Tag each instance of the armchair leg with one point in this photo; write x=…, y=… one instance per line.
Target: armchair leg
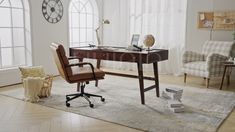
x=185, y=76
x=207, y=82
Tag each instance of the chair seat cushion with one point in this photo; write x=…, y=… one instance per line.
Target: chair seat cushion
x=198, y=65
x=85, y=74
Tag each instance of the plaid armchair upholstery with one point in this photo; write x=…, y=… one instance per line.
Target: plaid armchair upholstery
x=209, y=63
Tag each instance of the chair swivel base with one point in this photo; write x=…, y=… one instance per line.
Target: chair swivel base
x=84, y=95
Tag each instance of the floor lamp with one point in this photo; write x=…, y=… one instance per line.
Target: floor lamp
x=97, y=30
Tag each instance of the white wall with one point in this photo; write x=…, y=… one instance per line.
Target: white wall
x=43, y=34
x=196, y=37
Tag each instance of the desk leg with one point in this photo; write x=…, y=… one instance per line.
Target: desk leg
x=155, y=69
x=98, y=67
x=141, y=81
x=221, y=85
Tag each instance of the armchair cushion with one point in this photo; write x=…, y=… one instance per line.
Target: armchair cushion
x=190, y=56
x=199, y=65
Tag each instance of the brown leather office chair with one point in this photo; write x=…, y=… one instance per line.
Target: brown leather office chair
x=81, y=72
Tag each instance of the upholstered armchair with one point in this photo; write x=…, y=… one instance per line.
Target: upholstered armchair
x=208, y=63
x=37, y=72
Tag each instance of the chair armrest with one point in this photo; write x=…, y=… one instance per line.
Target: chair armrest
x=190, y=56
x=215, y=59
x=84, y=63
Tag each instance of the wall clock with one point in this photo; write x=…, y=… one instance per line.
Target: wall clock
x=52, y=10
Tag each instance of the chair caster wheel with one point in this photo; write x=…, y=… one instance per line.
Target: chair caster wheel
x=68, y=104
x=102, y=99
x=91, y=105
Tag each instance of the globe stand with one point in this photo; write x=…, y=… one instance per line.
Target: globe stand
x=148, y=49
x=149, y=41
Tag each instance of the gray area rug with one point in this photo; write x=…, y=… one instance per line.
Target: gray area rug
x=205, y=109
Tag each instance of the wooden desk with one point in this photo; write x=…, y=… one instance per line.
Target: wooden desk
x=123, y=55
x=226, y=65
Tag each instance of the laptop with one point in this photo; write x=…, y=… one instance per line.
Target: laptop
x=134, y=43
x=135, y=39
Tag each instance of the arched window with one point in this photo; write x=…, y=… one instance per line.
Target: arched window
x=15, y=36
x=83, y=19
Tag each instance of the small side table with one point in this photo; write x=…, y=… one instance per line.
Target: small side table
x=226, y=65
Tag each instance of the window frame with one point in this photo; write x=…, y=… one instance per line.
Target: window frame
x=27, y=59
x=95, y=20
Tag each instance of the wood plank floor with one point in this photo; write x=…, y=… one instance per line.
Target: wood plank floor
x=20, y=116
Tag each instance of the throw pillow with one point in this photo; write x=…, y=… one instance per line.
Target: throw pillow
x=33, y=71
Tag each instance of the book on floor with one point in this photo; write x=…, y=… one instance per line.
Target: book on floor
x=174, y=90
x=174, y=103
x=177, y=109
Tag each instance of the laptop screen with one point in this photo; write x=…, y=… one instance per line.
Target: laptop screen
x=135, y=39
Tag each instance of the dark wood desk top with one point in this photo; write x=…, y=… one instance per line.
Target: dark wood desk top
x=120, y=54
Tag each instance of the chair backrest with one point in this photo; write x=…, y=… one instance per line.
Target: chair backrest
x=61, y=60
x=220, y=47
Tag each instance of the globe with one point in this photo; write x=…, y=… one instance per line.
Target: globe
x=149, y=41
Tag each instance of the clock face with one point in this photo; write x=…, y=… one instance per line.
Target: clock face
x=52, y=10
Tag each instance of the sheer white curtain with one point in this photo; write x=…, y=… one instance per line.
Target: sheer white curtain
x=164, y=19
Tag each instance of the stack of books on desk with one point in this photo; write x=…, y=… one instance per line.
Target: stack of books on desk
x=174, y=95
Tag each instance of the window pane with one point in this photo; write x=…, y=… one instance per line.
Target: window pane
x=83, y=20
x=5, y=16
x=96, y=21
x=5, y=37
x=89, y=8
x=5, y=3
x=18, y=36
x=73, y=8
x=75, y=35
x=90, y=21
x=6, y=57
x=90, y=35
x=16, y=3
x=75, y=19
x=83, y=35
x=19, y=56
x=83, y=44
x=83, y=1
x=17, y=15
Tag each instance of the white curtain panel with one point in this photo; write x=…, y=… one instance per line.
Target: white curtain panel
x=164, y=19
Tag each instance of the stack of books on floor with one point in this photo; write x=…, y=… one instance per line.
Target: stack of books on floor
x=174, y=95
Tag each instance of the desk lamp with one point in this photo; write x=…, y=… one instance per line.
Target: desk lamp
x=97, y=30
